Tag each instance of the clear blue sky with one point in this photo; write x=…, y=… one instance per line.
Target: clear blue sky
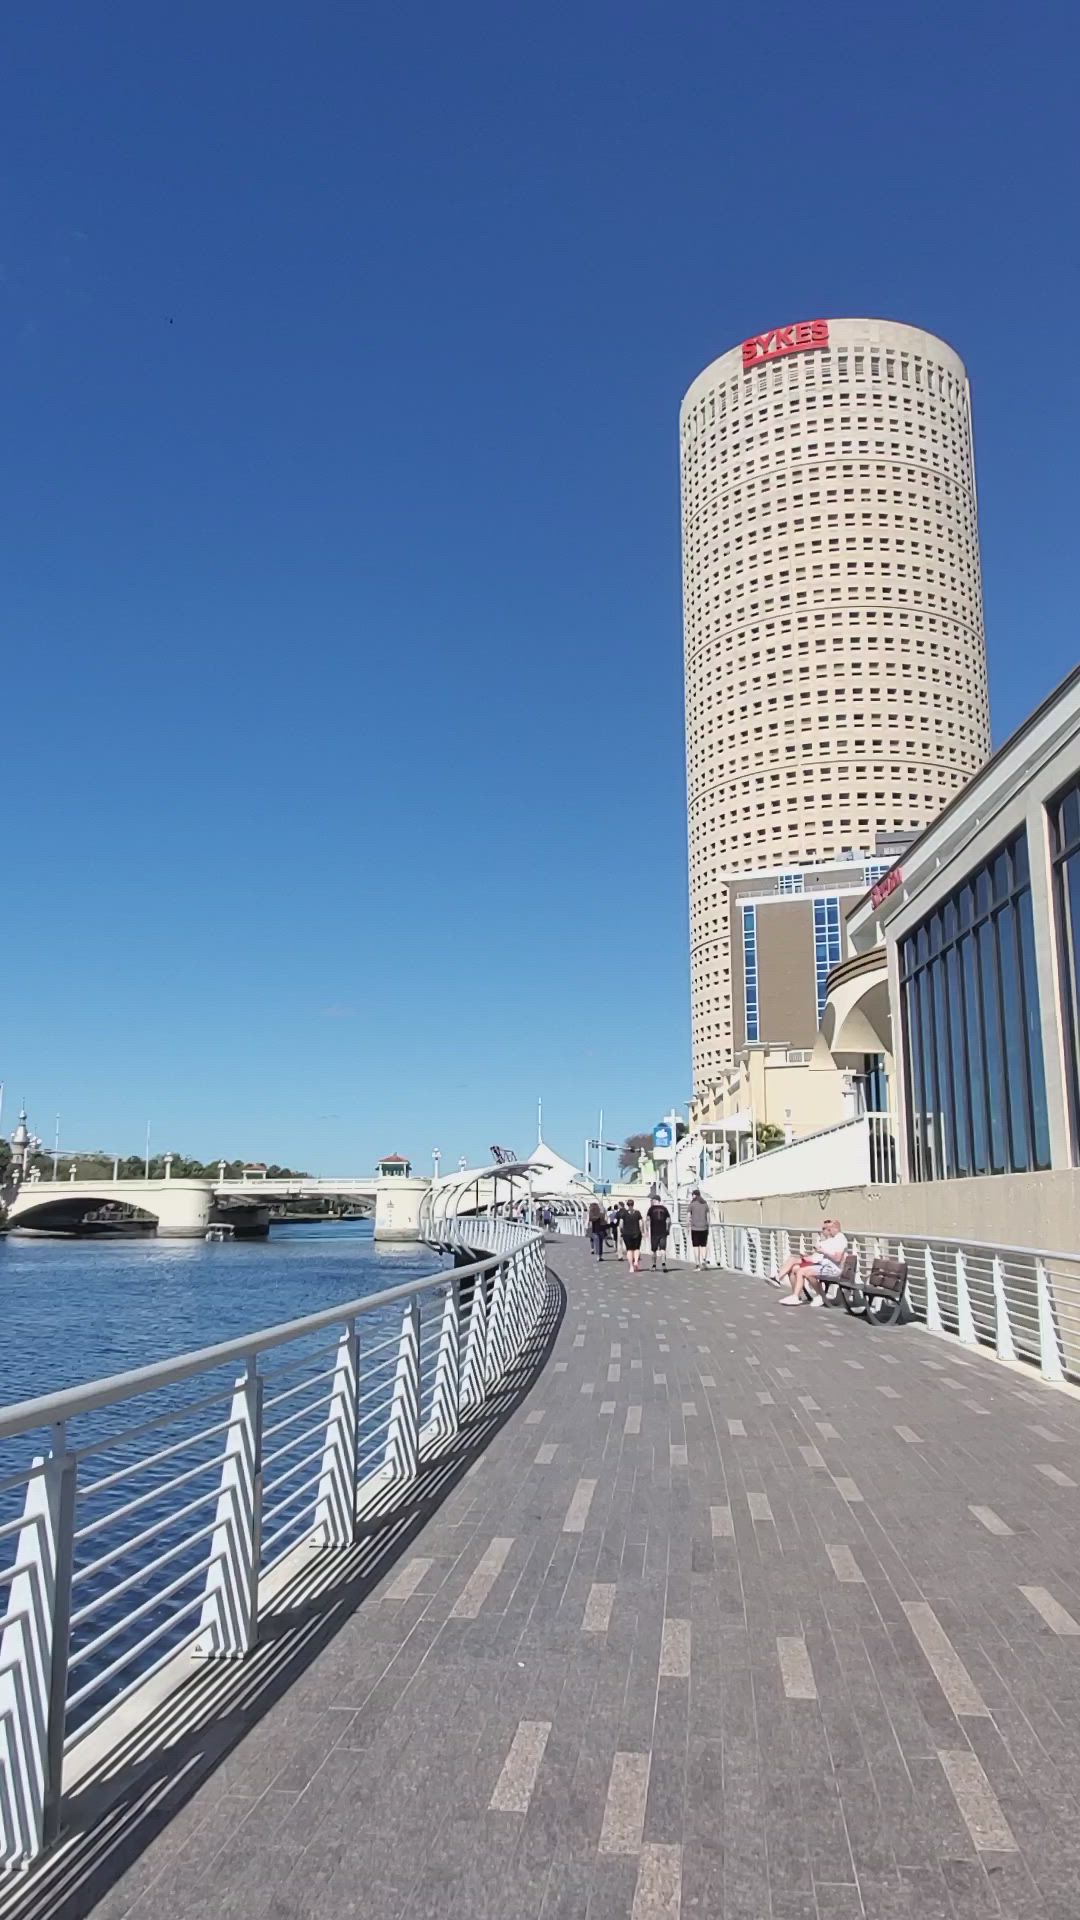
x=343, y=347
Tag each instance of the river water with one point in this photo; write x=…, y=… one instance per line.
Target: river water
x=73, y=1310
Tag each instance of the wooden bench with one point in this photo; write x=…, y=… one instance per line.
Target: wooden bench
x=880, y=1297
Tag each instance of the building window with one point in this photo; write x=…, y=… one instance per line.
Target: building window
x=1065, y=854
x=791, y=883
x=973, y=1061
x=749, y=948
x=874, y=871
x=826, y=945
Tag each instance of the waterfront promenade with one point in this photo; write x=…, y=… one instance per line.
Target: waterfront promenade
x=742, y=1611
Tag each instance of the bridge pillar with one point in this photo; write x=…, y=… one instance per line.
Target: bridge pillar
x=397, y=1207
x=182, y=1207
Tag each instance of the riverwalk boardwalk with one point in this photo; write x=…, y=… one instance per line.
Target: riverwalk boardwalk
x=743, y=1611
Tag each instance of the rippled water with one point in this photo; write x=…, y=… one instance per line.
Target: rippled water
x=73, y=1311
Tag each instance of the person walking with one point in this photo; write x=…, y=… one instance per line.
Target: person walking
x=613, y=1219
x=659, y=1220
x=632, y=1227
x=597, y=1228
x=699, y=1227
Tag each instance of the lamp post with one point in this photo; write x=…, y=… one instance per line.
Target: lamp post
x=436, y=1157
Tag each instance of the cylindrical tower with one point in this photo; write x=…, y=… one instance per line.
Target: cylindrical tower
x=833, y=621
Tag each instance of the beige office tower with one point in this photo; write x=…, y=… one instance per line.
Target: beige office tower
x=835, y=655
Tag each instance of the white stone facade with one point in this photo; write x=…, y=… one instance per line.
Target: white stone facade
x=833, y=621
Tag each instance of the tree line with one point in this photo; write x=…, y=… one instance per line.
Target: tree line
x=133, y=1166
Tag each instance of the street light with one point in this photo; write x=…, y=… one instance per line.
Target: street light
x=436, y=1157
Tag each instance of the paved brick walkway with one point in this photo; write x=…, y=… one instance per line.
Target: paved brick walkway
x=747, y=1612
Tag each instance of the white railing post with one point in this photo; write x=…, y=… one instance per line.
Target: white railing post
x=933, y=1304
x=230, y=1613
x=1049, y=1344
x=515, y=1303
x=446, y=1410
x=335, y=1509
x=1006, y=1349
x=496, y=1333
x=965, y=1324
x=474, y=1389
x=908, y=1309
x=34, y=1660
x=403, y=1434
x=539, y=1277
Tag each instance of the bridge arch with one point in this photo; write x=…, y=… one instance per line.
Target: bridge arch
x=180, y=1208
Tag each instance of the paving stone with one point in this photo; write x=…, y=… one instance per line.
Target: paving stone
x=677, y=1661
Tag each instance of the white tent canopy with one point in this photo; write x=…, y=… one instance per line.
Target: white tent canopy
x=550, y=1173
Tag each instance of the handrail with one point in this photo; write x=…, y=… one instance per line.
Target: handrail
x=144, y=1538
x=1022, y=1301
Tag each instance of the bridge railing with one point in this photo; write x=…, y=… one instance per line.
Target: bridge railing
x=148, y=1518
x=1022, y=1301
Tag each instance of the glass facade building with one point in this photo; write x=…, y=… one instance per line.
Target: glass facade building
x=973, y=1056
x=750, y=976
x=1064, y=812
x=827, y=946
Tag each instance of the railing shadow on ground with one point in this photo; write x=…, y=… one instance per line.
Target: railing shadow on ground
x=109, y=1821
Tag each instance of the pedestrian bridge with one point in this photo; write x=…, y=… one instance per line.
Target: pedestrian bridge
x=638, y=1595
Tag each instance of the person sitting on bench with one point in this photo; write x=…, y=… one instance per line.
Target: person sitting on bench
x=808, y=1274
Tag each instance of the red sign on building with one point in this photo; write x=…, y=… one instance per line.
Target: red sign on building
x=886, y=885
x=799, y=338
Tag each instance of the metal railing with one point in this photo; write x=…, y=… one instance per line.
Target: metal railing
x=140, y=1515
x=1022, y=1301
x=443, y=1225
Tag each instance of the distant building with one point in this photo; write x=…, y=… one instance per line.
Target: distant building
x=394, y=1166
x=832, y=606
x=962, y=967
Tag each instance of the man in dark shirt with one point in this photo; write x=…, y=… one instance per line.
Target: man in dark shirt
x=659, y=1227
x=631, y=1226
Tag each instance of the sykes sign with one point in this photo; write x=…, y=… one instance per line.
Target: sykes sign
x=795, y=339
x=886, y=885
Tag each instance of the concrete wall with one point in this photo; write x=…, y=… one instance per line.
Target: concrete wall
x=842, y=1153
x=1012, y=1210
x=397, y=1207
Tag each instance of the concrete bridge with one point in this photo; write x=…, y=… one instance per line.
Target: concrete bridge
x=184, y=1209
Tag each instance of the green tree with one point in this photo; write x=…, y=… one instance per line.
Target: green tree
x=634, y=1144
x=767, y=1136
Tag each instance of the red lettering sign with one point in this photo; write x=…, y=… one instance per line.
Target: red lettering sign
x=886, y=885
x=799, y=338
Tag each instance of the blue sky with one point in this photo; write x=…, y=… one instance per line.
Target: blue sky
x=343, y=348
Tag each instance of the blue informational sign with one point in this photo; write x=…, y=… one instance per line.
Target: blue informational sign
x=661, y=1134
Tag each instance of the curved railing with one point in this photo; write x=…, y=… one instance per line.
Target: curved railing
x=148, y=1517
x=1022, y=1301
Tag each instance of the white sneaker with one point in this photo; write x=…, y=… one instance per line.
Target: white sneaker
x=816, y=1300
x=793, y=1300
